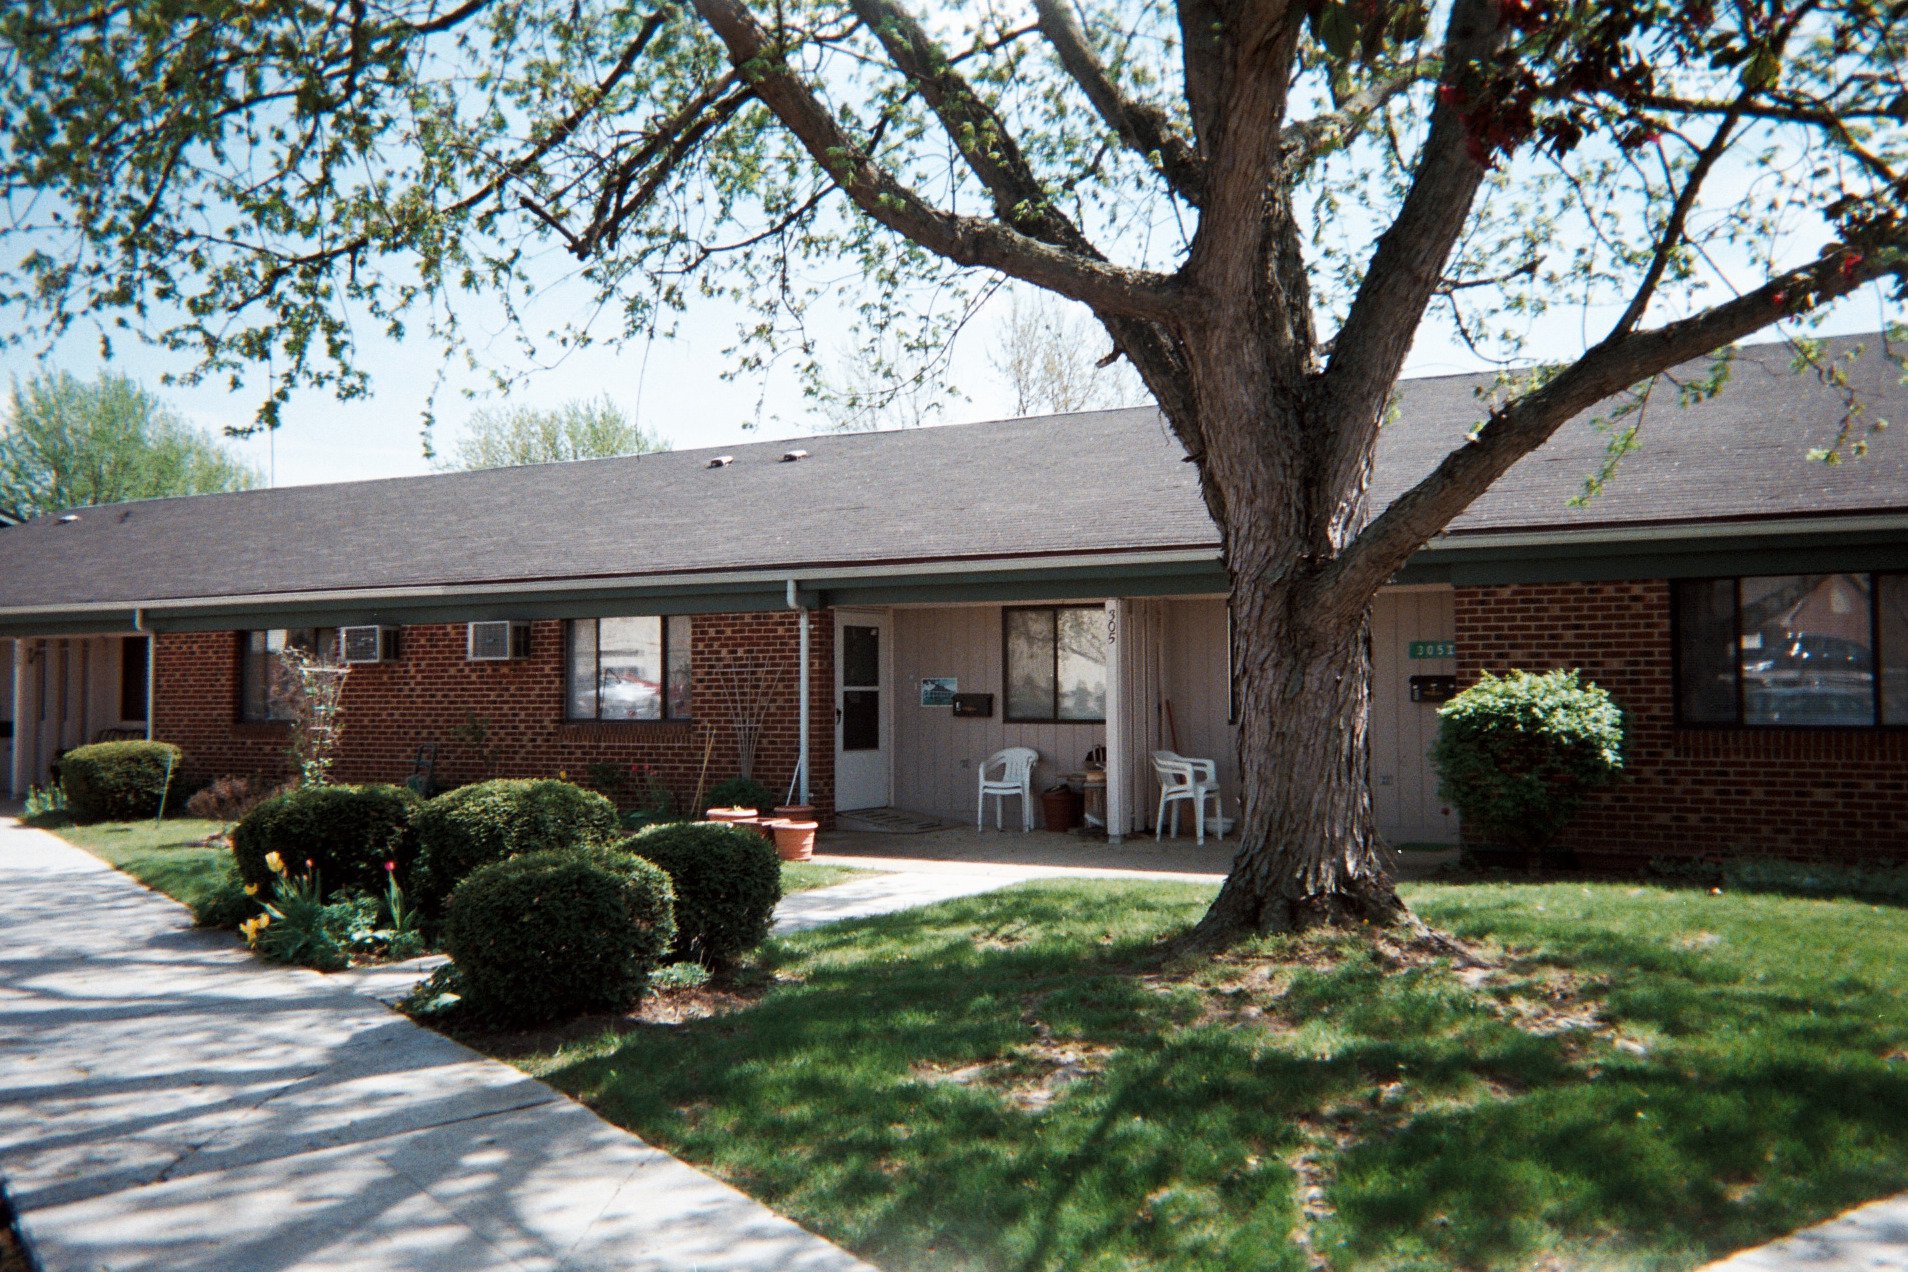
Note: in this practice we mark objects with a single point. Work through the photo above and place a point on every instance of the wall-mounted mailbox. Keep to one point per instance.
(974, 706)
(1433, 688)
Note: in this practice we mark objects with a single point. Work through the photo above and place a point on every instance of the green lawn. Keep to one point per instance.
(801, 876)
(166, 857)
(1644, 1079)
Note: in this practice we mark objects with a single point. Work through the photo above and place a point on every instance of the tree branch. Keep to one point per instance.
(1515, 430)
(991, 152)
(1308, 139)
(1143, 126)
(964, 240)
(1672, 235)
(1407, 266)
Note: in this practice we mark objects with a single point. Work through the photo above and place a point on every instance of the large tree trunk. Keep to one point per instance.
(1310, 852)
(1289, 498)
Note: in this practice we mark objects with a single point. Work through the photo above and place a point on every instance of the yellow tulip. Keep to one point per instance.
(275, 863)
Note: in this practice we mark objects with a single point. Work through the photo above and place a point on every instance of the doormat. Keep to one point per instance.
(889, 821)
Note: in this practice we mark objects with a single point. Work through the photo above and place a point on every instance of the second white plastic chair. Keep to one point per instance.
(1183, 779)
(1016, 778)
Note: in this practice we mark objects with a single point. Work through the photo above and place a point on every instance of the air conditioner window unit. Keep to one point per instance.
(499, 641)
(367, 644)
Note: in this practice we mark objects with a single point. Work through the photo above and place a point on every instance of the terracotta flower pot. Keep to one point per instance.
(794, 840)
(795, 812)
(730, 814)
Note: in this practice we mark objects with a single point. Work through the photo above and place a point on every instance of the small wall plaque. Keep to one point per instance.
(938, 691)
(974, 706)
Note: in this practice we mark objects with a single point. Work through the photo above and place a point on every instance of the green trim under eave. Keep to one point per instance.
(1449, 561)
(1064, 582)
(1712, 557)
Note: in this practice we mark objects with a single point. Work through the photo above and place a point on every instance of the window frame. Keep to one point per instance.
(244, 652)
(1878, 723)
(569, 668)
(1006, 667)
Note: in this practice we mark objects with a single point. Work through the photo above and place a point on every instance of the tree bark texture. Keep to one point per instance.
(1309, 851)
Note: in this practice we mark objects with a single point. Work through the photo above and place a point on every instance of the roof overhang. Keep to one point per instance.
(1772, 546)
(1140, 573)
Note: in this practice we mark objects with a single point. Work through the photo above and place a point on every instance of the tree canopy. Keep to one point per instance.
(592, 429)
(67, 443)
(1261, 201)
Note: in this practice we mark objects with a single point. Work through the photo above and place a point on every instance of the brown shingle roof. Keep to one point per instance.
(1095, 482)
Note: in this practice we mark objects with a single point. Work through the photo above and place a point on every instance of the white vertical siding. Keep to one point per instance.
(1196, 694)
(1404, 791)
(936, 756)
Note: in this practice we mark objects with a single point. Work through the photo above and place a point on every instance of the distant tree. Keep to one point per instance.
(1057, 359)
(593, 429)
(68, 443)
(890, 384)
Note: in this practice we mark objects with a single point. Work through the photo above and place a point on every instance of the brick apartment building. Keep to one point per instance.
(921, 599)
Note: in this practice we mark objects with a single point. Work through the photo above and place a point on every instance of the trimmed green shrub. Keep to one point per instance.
(473, 826)
(740, 792)
(347, 833)
(117, 781)
(1516, 755)
(727, 882)
(544, 936)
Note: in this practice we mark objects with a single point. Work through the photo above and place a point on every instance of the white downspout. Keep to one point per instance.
(801, 675)
(16, 788)
(1118, 768)
(152, 663)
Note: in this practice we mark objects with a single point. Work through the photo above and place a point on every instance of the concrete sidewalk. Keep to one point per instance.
(1871, 1238)
(168, 1101)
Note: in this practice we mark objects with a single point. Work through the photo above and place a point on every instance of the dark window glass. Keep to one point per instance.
(676, 649)
(625, 669)
(1808, 655)
(135, 653)
(1891, 592)
(265, 691)
(1706, 651)
(860, 655)
(860, 719)
(1056, 663)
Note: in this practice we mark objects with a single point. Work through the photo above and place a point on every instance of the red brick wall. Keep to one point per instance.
(1786, 792)
(391, 708)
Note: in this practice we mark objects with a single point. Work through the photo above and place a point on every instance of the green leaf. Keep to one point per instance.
(1337, 30)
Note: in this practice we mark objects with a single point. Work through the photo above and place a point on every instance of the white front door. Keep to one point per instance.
(861, 710)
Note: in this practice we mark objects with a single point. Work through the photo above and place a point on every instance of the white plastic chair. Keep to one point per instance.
(1183, 779)
(1016, 778)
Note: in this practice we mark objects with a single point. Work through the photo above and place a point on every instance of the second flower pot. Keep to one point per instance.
(794, 840)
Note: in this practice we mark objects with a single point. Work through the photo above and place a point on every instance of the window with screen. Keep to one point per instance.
(265, 688)
(628, 669)
(1825, 650)
(1055, 660)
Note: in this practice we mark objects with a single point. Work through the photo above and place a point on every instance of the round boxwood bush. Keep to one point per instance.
(1516, 755)
(544, 936)
(473, 826)
(346, 832)
(117, 781)
(727, 882)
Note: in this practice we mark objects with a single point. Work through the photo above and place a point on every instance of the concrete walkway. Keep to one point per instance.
(169, 1102)
(1871, 1238)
